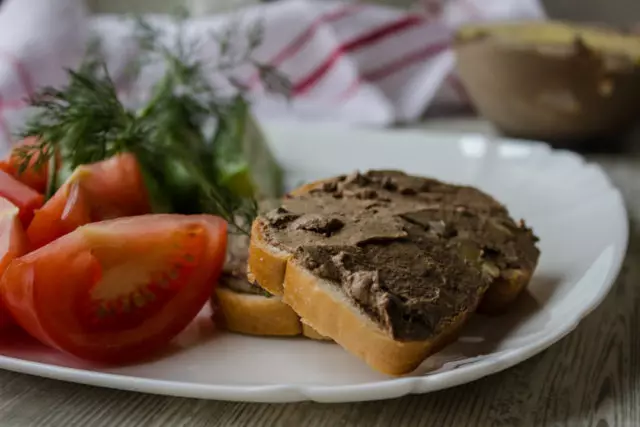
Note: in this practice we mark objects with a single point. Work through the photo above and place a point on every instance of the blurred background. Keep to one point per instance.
(563, 71)
(618, 12)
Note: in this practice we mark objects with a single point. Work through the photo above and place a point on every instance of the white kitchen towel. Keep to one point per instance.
(347, 61)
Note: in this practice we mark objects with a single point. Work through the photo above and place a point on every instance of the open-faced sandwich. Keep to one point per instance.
(388, 265)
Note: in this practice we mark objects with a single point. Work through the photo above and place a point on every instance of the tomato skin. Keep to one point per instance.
(104, 190)
(13, 244)
(67, 210)
(46, 301)
(24, 198)
(116, 188)
(32, 177)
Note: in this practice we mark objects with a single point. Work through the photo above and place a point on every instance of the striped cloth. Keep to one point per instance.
(351, 62)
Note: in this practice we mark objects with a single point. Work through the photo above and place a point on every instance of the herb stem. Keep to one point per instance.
(161, 90)
(52, 175)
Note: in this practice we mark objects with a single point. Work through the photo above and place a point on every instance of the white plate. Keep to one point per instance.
(572, 206)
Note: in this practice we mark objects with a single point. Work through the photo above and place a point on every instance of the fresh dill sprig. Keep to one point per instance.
(85, 122)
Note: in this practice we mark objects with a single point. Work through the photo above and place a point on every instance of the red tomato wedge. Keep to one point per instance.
(32, 177)
(109, 189)
(13, 244)
(24, 198)
(117, 291)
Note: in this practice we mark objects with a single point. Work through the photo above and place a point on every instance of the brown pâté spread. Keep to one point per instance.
(412, 253)
(234, 272)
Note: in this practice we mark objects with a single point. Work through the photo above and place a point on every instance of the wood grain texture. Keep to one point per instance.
(590, 378)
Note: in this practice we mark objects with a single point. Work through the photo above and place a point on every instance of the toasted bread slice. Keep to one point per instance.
(502, 292)
(255, 314)
(371, 262)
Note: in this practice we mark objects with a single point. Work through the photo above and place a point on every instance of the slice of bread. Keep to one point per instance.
(369, 261)
(254, 313)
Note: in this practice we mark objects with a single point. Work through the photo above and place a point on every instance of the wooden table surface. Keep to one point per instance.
(590, 378)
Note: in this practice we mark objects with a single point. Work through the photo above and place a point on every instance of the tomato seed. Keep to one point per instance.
(138, 300)
(150, 296)
(101, 312)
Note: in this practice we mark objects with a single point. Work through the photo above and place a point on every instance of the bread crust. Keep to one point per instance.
(501, 293)
(331, 314)
(309, 332)
(266, 264)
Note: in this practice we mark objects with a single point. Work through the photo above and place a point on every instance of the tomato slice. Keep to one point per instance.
(109, 189)
(32, 177)
(13, 244)
(24, 198)
(117, 291)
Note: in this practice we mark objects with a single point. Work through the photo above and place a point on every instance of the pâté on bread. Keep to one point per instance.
(389, 265)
